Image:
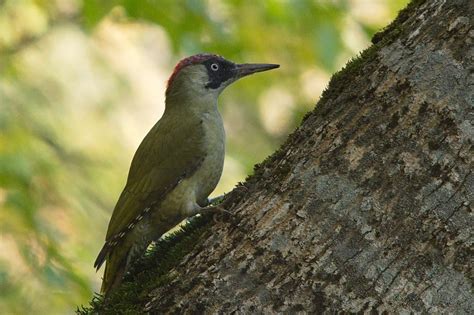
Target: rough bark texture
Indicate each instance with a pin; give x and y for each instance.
(368, 205)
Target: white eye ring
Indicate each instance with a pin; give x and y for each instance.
(214, 67)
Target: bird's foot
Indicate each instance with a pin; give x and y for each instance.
(216, 211)
(219, 199)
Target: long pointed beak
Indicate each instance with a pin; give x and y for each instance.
(250, 68)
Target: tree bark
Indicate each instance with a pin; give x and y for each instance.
(368, 205)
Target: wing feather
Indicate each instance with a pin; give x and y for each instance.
(166, 156)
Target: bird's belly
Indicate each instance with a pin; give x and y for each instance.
(196, 188)
(208, 175)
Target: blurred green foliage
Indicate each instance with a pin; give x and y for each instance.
(74, 102)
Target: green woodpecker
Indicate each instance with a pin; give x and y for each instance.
(177, 165)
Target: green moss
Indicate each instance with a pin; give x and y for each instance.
(394, 29)
(150, 272)
(341, 79)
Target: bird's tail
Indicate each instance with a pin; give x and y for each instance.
(112, 279)
(115, 268)
(117, 260)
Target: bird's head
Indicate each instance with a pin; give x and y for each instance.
(207, 75)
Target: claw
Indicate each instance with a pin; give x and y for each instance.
(215, 210)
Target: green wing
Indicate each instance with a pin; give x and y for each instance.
(170, 152)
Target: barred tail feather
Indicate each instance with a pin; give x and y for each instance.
(115, 269)
(101, 257)
(112, 279)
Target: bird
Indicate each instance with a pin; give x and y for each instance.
(177, 165)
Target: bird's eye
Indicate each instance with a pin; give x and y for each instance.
(214, 67)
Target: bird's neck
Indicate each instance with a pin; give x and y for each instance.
(186, 104)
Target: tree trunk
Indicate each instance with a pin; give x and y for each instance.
(368, 205)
